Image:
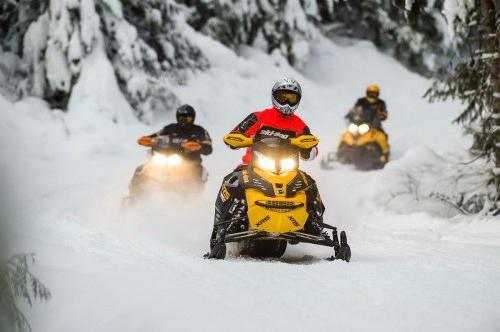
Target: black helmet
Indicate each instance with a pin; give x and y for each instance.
(185, 114)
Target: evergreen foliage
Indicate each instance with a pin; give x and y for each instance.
(17, 282)
(420, 45)
(287, 27)
(145, 39)
(474, 79)
(141, 39)
(277, 27)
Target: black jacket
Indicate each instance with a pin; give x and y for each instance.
(375, 109)
(182, 133)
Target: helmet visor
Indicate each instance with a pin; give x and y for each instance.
(287, 97)
(372, 94)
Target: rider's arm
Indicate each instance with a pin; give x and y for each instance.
(382, 111)
(206, 143)
(162, 132)
(248, 126)
(148, 140)
(360, 102)
(349, 114)
(308, 154)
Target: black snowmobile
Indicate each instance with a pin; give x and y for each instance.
(166, 169)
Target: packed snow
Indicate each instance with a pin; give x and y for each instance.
(418, 263)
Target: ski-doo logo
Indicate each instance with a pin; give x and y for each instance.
(294, 221)
(273, 133)
(261, 222)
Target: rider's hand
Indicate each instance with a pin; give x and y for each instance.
(145, 140)
(191, 146)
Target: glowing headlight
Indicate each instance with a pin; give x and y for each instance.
(266, 163)
(162, 160)
(363, 128)
(287, 165)
(353, 128)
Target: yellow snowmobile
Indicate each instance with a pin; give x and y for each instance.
(270, 202)
(361, 144)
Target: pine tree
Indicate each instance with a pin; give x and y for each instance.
(281, 28)
(474, 79)
(141, 39)
(420, 45)
(17, 282)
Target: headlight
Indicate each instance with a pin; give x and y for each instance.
(353, 128)
(162, 160)
(265, 163)
(363, 128)
(288, 165)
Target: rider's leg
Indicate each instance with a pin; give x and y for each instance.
(315, 207)
(230, 202)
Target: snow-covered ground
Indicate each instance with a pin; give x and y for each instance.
(417, 263)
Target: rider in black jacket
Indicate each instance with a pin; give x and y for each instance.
(186, 131)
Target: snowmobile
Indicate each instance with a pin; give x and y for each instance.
(361, 144)
(167, 169)
(271, 203)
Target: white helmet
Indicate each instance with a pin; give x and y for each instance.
(286, 95)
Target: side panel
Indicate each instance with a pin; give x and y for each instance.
(381, 140)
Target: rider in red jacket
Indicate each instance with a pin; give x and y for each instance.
(278, 121)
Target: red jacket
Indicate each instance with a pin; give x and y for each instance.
(271, 123)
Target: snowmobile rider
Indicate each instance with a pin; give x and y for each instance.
(185, 132)
(372, 105)
(278, 121)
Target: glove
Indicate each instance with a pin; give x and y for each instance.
(145, 140)
(191, 146)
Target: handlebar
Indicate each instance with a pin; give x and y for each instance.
(164, 142)
(237, 140)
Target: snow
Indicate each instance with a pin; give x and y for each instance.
(89, 21)
(456, 10)
(97, 92)
(417, 263)
(75, 51)
(58, 73)
(33, 45)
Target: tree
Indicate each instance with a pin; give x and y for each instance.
(278, 27)
(17, 282)
(419, 45)
(141, 40)
(474, 79)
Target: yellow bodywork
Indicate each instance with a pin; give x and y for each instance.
(305, 141)
(276, 214)
(237, 140)
(372, 136)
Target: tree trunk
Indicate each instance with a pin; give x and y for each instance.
(491, 37)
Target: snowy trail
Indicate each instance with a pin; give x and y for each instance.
(416, 264)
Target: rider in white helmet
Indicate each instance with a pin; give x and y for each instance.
(279, 120)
